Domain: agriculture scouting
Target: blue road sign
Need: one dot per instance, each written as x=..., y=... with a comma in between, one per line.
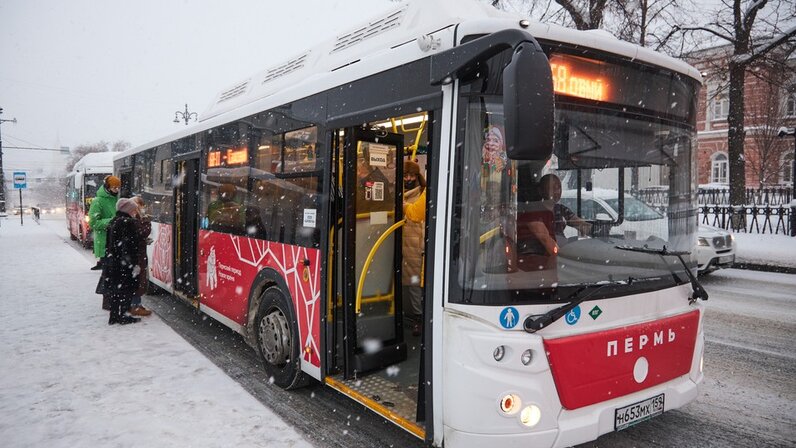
x=20, y=180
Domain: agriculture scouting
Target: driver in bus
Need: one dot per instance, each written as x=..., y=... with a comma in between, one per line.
x=550, y=189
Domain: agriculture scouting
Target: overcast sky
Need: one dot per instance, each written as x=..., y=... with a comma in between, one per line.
x=80, y=71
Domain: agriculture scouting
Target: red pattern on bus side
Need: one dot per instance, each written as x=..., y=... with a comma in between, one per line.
x=228, y=265
x=161, y=264
x=589, y=368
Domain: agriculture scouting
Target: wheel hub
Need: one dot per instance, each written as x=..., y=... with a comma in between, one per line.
x=274, y=338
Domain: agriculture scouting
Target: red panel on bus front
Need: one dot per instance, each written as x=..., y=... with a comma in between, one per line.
x=228, y=265
x=595, y=367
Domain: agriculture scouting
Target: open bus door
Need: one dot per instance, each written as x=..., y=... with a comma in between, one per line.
x=371, y=207
x=186, y=210
x=371, y=355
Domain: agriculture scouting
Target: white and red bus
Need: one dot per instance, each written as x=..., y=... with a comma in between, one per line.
x=82, y=184
x=280, y=215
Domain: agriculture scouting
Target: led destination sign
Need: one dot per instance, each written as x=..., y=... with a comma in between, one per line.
x=646, y=89
x=239, y=156
x=578, y=77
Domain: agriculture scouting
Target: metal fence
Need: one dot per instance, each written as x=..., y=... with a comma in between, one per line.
x=750, y=219
x=771, y=196
x=767, y=209
x=754, y=196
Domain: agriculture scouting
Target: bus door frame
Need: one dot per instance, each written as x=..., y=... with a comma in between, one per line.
x=185, y=233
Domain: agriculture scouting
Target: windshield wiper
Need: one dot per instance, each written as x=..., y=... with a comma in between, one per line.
x=535, y=323
x=698, y=291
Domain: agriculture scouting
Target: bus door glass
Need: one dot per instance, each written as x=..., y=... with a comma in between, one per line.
x=185, y=226
x=371, y=207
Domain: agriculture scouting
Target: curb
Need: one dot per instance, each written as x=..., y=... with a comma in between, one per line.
x=764, y=267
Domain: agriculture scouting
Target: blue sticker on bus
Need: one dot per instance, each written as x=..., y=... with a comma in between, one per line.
x=509, y=317
x=573, y=316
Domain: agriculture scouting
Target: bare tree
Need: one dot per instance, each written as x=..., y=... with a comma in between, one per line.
x=752, y=30
x=648, y=23
x=586, y=14
x=88, y=148
x=766, y=114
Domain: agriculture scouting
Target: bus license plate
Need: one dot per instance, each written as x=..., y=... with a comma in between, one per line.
x=727, y=259
x=638, y=412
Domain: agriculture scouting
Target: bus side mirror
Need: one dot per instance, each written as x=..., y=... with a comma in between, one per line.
x=528, y=104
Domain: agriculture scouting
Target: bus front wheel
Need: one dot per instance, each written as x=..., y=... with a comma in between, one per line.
x=277, y=340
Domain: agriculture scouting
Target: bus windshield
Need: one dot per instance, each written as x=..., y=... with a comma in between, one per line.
x=530, y=231
x=92, y=182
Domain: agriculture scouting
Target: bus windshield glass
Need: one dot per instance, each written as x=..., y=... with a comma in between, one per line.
x=531, y=231
x=93, y=182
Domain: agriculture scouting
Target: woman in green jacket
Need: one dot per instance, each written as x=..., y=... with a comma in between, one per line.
x=101, y=212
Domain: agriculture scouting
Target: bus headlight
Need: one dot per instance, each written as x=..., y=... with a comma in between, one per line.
x=530, y=415
x=702, y=241
x=510, y=404
x=526, y=357
x=499, y=352
x=86, y=218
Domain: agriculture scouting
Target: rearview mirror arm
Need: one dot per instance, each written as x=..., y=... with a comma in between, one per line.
x=449, y=64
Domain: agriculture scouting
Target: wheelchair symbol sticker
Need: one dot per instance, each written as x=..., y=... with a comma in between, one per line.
x=573, y=316
x=509, y=317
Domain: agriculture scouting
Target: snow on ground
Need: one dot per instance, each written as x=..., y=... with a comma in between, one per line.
x=767, y=249
x=68, y=379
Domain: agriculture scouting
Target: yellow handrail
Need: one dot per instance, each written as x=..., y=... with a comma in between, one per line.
x=369, y=260
x=489, y=234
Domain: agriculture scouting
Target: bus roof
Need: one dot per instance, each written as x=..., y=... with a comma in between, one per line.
x=95, y=162
x=381, y=43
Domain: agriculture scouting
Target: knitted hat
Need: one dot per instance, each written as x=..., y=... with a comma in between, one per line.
x=126, y=205
x=411, y=168
x=112, y=182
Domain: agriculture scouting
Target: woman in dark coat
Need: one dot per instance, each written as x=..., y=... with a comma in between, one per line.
x=121, y=268
x=144, y=226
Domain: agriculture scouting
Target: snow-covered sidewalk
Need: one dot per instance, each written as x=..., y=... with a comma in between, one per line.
x=766, y=250
x=68, y=379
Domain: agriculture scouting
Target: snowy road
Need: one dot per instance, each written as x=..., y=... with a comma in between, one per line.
x=747, y=399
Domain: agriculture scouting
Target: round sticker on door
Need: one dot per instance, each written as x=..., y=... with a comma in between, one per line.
x=573, y=316
x=509, y=317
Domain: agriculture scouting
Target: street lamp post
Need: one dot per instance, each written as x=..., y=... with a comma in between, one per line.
x=184, y=116
x=784, y=132
x=2, y=176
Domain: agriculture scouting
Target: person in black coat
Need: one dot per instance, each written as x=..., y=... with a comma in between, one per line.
x=121, y=266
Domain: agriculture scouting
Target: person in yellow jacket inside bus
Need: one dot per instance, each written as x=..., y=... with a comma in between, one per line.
x=412, y=244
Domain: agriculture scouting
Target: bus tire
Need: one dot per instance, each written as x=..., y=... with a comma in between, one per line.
x=277, y=340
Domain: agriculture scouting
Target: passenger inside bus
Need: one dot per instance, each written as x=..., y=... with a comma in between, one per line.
x=412, y=246
x=225, y=213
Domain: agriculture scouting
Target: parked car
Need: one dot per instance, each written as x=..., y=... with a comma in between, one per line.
x=715, y=249
x=639, y=219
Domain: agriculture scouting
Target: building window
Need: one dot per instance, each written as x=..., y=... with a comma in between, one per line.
x=787, y=169
x=720, y=106
x=790, y=104
x=719, y=168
